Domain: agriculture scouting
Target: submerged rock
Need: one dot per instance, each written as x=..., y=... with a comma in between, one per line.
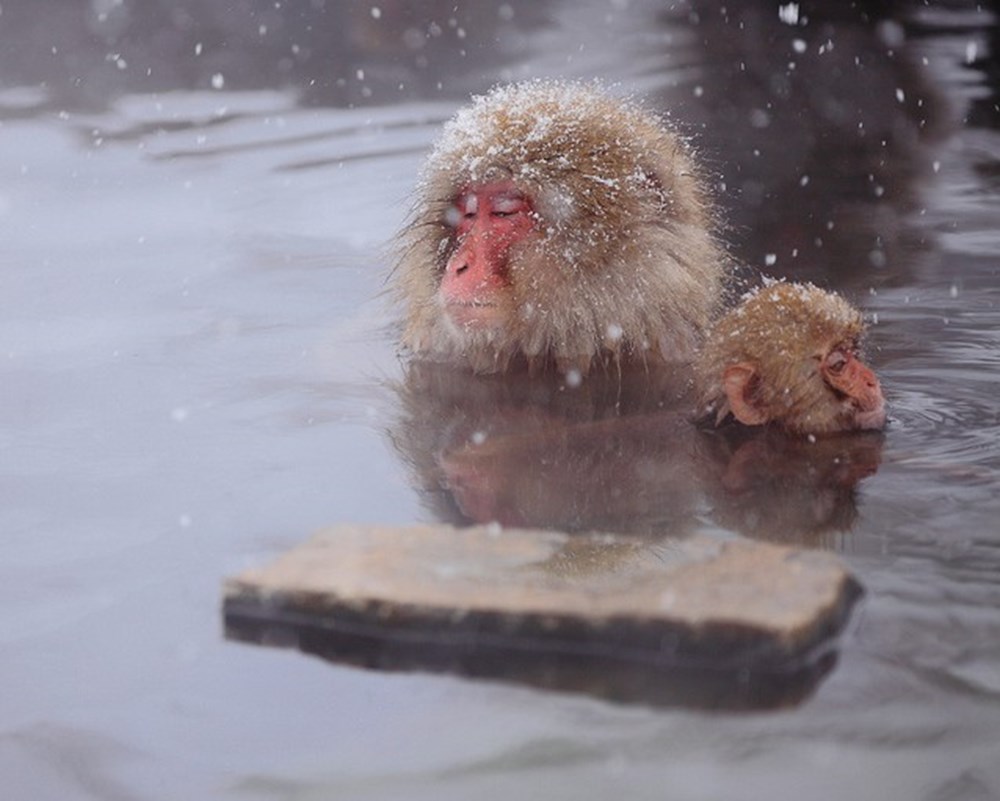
x=699, y=620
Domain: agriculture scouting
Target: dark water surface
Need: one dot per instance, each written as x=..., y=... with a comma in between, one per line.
x=198, y=370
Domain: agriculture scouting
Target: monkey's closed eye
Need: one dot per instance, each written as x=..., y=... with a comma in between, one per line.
x=837, y=361
x=507, y=205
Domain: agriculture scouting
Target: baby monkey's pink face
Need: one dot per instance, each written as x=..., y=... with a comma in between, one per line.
x=855, y=388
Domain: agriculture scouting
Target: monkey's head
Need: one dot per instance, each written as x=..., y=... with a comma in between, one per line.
x=788, y=355
x=555, y=225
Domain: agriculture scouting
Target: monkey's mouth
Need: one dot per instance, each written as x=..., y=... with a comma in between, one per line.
x=871, y=419
x=474, y=313
x=868, y=415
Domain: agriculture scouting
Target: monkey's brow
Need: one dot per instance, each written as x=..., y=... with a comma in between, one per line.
x=851, y=344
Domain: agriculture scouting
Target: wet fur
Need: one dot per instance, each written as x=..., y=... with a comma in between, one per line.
x=622, y=264
x=783, y=330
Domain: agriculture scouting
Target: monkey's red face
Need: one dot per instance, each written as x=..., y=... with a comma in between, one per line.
x=488, y=220
x=854, y=383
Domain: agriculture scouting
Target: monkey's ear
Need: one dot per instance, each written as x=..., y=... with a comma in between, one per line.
x=739, y=381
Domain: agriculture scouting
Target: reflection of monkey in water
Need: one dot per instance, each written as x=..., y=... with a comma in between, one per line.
x=609, y=456
x=531, y=451
x=771, y=486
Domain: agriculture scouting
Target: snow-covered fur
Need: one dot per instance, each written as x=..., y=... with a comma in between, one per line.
x=783, y=331
x=622, y=262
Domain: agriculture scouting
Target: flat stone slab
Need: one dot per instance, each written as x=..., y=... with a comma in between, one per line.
x=539, y=605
